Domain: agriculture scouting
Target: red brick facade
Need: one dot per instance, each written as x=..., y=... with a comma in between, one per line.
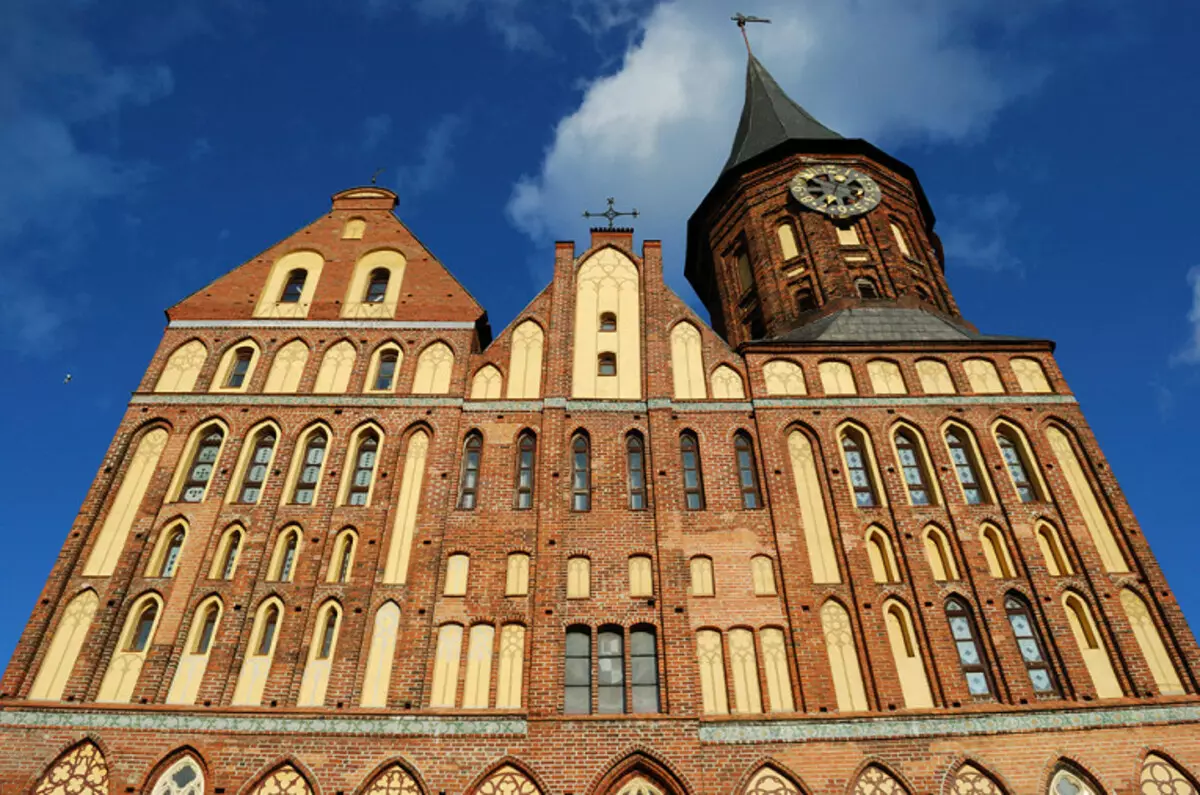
x=1015, y=735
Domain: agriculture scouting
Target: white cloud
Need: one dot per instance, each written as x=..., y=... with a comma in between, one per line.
x=656, y=132
x=1190, y=354
x=433, y=164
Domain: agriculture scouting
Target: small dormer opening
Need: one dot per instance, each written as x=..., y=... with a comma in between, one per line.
x=866, y=289
x=608, y=321
x=805, y=300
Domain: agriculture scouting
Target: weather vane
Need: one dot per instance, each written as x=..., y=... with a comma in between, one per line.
x=610, y=213
x=375, y=176
x=741, y=20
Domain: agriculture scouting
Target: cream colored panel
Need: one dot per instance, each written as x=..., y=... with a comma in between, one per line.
x=508, y=781
x=80, y=771
x=885, y=378
x=456, y=575
x=702, y=576
x=843, y=658
x=907, y=655
x=315, y=680
x=1085, y=498
x=355, y=304
x=579, y=578
x=784, y=378
x=970, y=780
x=63, y=652
x=641, y=579
x=1161, y=777
x=381, y=656
x=1091, y=647
x=111, y=541
x=607, y=282
x=252, y=680
x=334, y=376
x=354, y=229
x=847, y=236
x=512, y=667
x=1057, y=562
x=182, y=368
x=287, y=369
x=525, y=363
x=479, y=667
x=486, y=383
x=516, y=580
x=762, y=573
x=687, y=362
x=883, y=560
x=983, y=376
x=1151, y=643
x=837, y=378
x=727, y=384
x=639, y=786
x=901, y=241
x=937, y=552
x=404, y=526
x=445, y=666
x=192, y=664
x=768, y=781
x=126, y=666
x=996, y=551
x=712, y=672
x=1030, y=374
x=287, y=780
x=935, y=377
x=743, y=662
x=787, y=241
x=817, y=535
x=775, y=666
x=434, y=368
x=269, y=304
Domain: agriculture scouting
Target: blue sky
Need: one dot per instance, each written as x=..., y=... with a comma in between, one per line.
x=147, y=148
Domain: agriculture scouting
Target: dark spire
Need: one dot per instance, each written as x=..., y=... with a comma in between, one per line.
x=769, y=118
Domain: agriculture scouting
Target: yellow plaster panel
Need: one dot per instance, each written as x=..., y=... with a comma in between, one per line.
x=837, y=378
x=711, y=659
x=1085, y=498
x=843, y=658
x=687, y=362
x=1030, y=374
x=579, y=578
x=336, y=368
x=446, y=664
x=608, y=281
x=252, y=679
x=269, y=304
x=775, y=665
x=784, y=378
x=400, y=545
x=727, y=384
x=885, y=378
x=479, y=666
x=935, y=377
x=641, y=579
x=516, y=580
x=906, y=653
x=126, y=664
x=817, y=535
x=381, y=656
x=983, y=376
x=787, y=241
x=525, y=363
x=63, y=652
x=1091, y=647
x=512, y=665
x=315, y=680
x=354, y=229
x=747, y=698
x=182, y=368
x=220, y=382
x=1151, y=643
x=702, y=576
x=287, y=369
x=103, y=559
x=189, y=674
x=486, y=383
x=356, y=305
x=435, y=365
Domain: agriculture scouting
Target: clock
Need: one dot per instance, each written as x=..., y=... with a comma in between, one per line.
x=838, y=191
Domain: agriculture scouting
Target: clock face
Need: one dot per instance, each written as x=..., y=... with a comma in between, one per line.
x=839, y=191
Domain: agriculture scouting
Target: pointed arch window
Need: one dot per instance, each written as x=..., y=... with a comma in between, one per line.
x=581, y=473
x=702, y=576
x=310, y=468
x=343, y=558
x=965, y=466
x=516, y=576
x=858, y=468
x=203, y=462
x=377, y=286
x=171, y=552
x=1017, y=462
x=747, y=471
x=1029, y=642
x=693, y=477
x=257, y=467
x=578, y=675
x=293, y=288
x=385, y=372
x=239, y=368
x=227, y=560
x=287, y=548
x=1160, y=775
x=468, y=482
x=364, y=469
x=328, y=633
x=995, y=551
x=881, y=556
x=610, y=671
x=937, y=552
x=1067, y=783
x=143, y=628
x=1057, y=562
x=762, y=575
x=635, y=463
x=912, y=464
x=208, y=628
x=266, y=635
x=970, y=651
x=526, y=465
x=182, y=778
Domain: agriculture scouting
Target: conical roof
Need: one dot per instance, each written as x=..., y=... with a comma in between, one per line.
x=770, y=118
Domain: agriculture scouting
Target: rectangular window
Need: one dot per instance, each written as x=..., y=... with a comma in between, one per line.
x=610, y=673
x=643, y=659
x=578, y=672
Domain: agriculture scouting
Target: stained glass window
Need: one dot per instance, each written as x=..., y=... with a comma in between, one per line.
x=1017, y=469
x=1020, y=618
x=610, y=670
x=385, y=376
x=965, y=467
x=970, y=653
x=856, y=466
x=203, y=461
x=310, y=469
x=914, y=471
x=364, y=468
x=257, y=466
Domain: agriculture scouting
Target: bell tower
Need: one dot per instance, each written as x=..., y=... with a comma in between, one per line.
x=804, y=225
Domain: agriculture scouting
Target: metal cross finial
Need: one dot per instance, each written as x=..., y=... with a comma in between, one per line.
x=741, y=20
x=610, y=213
x=375, y=176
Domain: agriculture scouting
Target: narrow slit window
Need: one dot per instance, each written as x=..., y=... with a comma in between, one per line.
x=345, y=557
x=526, y=461
x=693, y=479
x=239, y=368
x=1018, y=468
x=970, y=652
x=965, y=467
x=310, y=469
x=856, y=467
x=328, y=634
x=606, y=364
x=578, y=675
x=635, y=461
x=203, y=462
x=208, y=628
x=288, y=560
x=139, y=639
x=385, y=376
x=293, y=289
x=364, y=469
x=747, y=472
x=170, y=560
x=915, y=477
x=581, y=474
x=266, y=636
x=468, y=484
x=1020, y=618
x=377, y=286
x=257, y=467
x=229, y=562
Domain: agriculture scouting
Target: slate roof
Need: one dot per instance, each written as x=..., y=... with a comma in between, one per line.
x=883, y=324
x=769, y=118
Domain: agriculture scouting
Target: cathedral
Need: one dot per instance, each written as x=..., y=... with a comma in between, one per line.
x=835, y=541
